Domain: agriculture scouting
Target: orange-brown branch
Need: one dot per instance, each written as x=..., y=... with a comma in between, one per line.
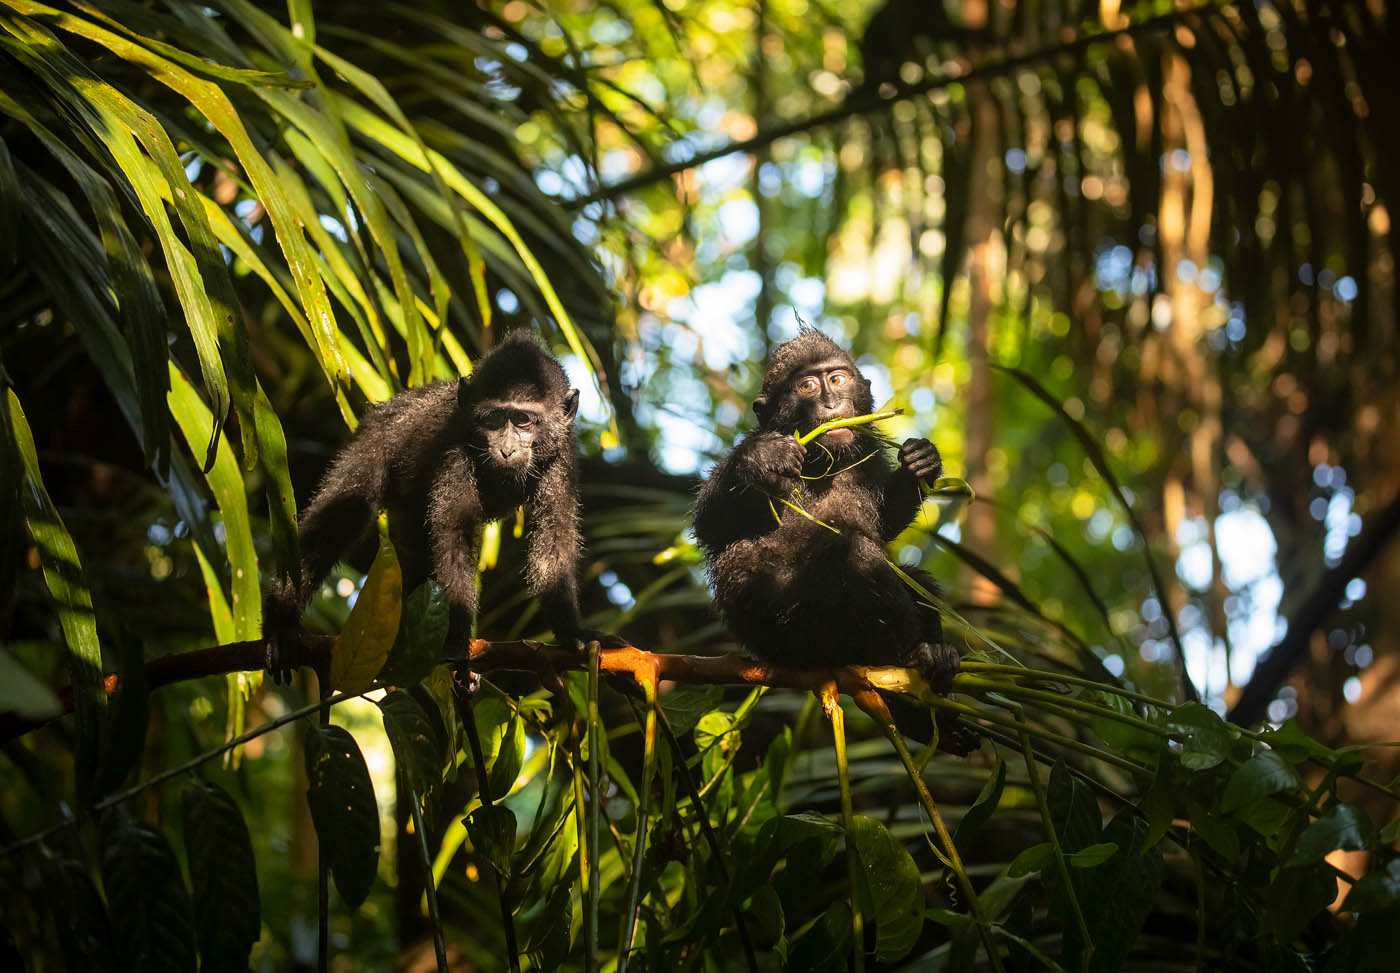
x=484, y=656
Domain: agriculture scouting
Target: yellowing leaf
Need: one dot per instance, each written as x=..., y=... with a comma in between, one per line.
x=370, y=630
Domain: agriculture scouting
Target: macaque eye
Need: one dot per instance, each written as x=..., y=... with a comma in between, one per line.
x=809, y=386
x=838, y=379
x=522, y=419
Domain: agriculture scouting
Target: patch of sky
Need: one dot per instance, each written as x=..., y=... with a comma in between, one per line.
x=1113, y=269
x=726, y=172
x=193, y=166
x=1249, y=569
x=720, y=311
x=810, y=177
x=1114, y=664
x=1345, y=289
x=738, y=220
x=517, y=51
x=881, y=389
x=923, y=401
x=590, y=403
x=1016, y=159
x=770, y=179
x=507, y=301
x=609, y=29
x=549, y=182
x=951, y=530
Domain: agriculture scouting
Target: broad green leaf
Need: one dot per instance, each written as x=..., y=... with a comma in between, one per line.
x=492, y=831
x=766, y=910
x=1073, y=809
x=68, y=587
x=1263, y=774
x=1296, y=895
x=1377, y=891
x=982, y=808
x=1292, y=743
x=716, y=731
x=80, y=916
x=149, y=904
x=226, y=482
x=502, y=741
x=417, y=750
x=373, y=624
x=895, y=893
x=684, y=705
x=1119, y=895
x=422, y=629
x=224, y=876
x=1093, y=855
x=1033, y=859
x=342, y=806
x=22, y=693
x=1215, y=829
x=1206, y=738
x=1341, y=826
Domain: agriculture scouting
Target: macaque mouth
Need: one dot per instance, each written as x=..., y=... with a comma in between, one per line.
x=838, y=437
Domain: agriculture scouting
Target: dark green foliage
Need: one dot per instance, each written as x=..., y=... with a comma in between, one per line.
x=342, y=805
x=152, y=919
x=418, y=645
x=223, y=876
x=417, y=749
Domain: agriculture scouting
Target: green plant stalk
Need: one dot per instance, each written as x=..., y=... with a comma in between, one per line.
x=826, y=427
x=634, y=893
x=595, y=797
x=1069, y=743
x=1065, y=702
x=703, y=818
x=323, y=872
x=838, y=733
x=1040, y=675
x=585, y=850
x=1061, y=866
x=483, y=783
x=430, y=889
x=951, y=856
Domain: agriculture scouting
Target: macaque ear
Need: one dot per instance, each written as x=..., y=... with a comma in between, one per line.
x=463, y=392
x=761, y=409
x=571, y=404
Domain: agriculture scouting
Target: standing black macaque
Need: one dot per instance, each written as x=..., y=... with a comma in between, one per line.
x=792, y=590
x=444, y=458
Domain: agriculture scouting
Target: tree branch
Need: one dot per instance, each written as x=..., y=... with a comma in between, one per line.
x=1274, y=668
x=483, y=656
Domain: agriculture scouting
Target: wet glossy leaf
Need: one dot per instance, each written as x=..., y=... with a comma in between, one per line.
x=492, y=831
x=1263, y=774
x=369, y=632
x=342, y=806
x=223, y=875
x=1340, y=826
x=1206, y=738
x=895, y=893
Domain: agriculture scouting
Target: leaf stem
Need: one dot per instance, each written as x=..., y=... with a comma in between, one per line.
x=826, y=427
x=831, y=704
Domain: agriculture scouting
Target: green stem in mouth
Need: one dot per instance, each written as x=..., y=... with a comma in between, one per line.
x=826, y=427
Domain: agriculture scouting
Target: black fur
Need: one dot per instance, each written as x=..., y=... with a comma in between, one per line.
x=791, y=590
x=444, y=458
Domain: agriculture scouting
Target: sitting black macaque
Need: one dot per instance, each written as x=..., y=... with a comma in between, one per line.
x=444, y=458
x=793, y=590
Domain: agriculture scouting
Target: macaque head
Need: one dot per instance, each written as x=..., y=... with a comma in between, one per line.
x=519, y=407
x=811, y=380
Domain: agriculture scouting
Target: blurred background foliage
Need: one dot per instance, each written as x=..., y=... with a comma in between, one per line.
x=1130, y=265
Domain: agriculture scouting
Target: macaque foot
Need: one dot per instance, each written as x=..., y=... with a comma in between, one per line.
x=938, y=663
x=283, y=654
x=956, y=735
